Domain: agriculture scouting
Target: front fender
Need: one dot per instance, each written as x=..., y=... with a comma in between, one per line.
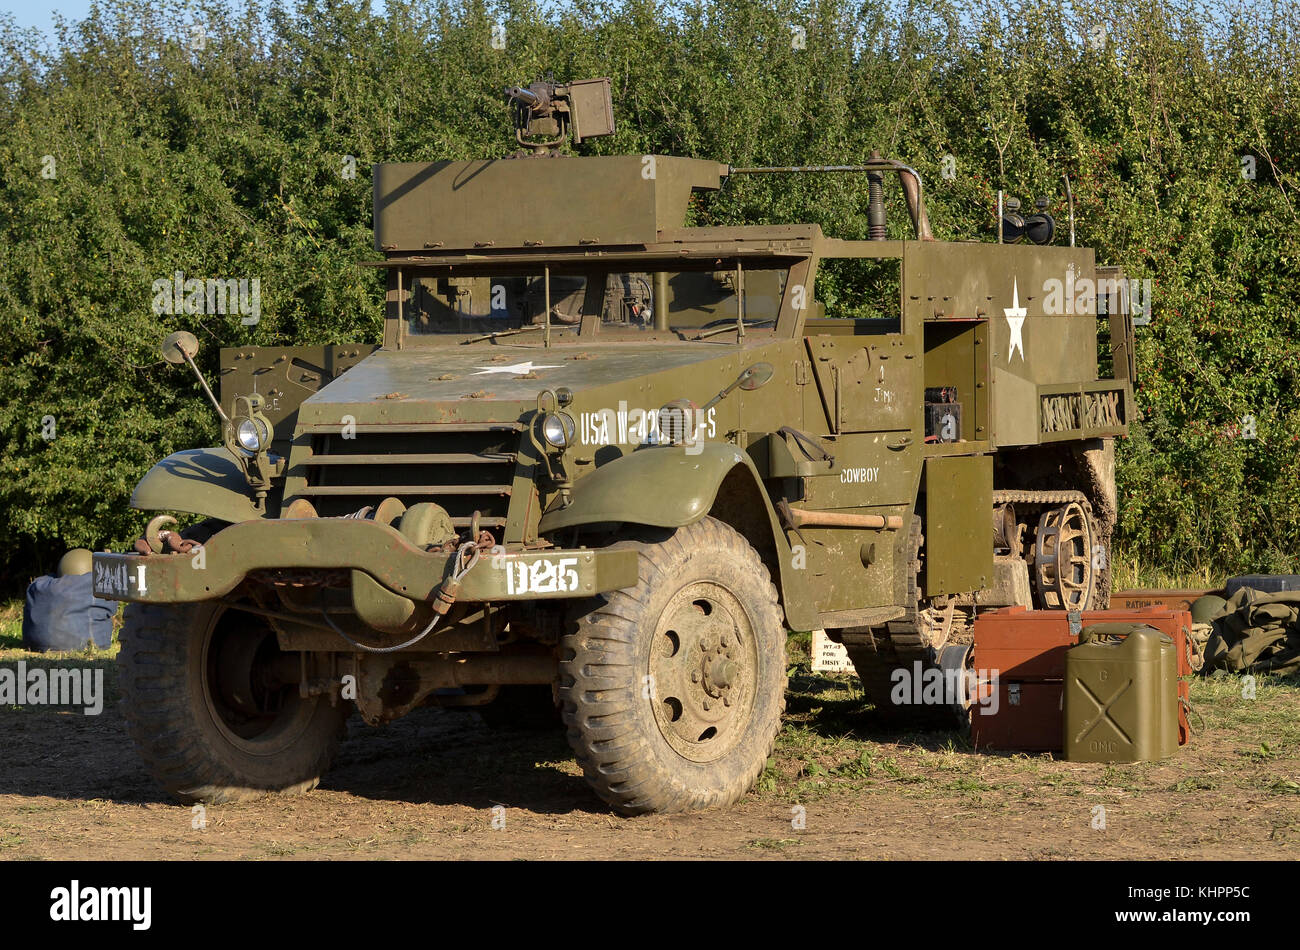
x=206, y=482
x=662, y=486
x=673, y=486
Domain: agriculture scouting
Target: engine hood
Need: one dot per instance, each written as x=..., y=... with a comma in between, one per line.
x=482, y=383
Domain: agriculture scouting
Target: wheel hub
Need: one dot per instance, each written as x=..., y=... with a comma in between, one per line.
x=244, y=677
x=718, y=676
x=703, y=667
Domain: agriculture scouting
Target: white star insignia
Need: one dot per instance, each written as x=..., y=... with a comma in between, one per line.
x=518, y=369
x=1015, y=315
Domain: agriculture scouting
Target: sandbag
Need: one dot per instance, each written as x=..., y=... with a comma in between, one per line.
x=63, y=613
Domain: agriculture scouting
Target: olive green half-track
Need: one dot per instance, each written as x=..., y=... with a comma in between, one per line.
x=608, y=452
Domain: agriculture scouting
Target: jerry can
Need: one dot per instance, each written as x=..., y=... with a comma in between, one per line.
x=1121, y=695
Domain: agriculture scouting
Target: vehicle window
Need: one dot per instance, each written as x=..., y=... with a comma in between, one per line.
x=459, y=305
x=701, y=299
x=861, y=288
x=696, y=300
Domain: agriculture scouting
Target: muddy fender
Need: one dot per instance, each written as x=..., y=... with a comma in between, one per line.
x=676, y=486
x=206, y=482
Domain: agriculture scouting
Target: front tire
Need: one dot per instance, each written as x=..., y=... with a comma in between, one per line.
x=212, y=707
x=673, y=689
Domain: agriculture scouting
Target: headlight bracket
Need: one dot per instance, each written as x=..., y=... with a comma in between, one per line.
x=248, y=435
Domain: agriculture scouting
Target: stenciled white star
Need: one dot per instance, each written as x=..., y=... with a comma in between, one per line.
x=518, y=369
x=1015, y=315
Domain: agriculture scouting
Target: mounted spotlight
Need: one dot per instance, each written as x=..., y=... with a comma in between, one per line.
x=1040, y=228
x=1013, y=222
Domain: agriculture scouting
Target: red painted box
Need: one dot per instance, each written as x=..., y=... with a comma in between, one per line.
x=1025, y=650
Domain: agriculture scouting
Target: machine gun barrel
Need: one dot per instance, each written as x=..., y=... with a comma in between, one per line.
x=524, y=96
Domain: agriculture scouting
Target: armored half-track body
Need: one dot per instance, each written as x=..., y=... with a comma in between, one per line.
x=603, y=462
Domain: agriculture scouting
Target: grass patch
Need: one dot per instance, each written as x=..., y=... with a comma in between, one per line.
x=11, y=638
x=833, y=742
x=1128, y=574
x=11, y=625
x=1259, y=715
x=12, y=652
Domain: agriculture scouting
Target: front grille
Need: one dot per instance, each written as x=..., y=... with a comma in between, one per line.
x=465, y=467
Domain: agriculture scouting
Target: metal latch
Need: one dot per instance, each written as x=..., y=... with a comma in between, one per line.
x=1076, y=622
x=1013, y=694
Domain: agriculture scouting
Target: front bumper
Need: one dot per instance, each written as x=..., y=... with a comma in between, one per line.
x=231, y=555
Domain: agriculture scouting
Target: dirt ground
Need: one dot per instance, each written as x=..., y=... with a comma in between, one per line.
x=71, y=786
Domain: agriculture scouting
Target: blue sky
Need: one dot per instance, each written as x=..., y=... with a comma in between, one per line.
x=38, y=14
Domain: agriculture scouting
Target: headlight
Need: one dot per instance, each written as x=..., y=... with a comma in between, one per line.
x=557, y=429
x=677, y=422
x=251, y=435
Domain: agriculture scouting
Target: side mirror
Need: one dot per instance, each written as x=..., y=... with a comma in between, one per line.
x=754, y=376
x=180, y=347
x=760, y=374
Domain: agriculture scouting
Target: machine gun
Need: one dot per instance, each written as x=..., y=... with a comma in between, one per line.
x=583, y=109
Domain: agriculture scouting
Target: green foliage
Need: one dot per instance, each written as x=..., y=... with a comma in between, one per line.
x=228, y=162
